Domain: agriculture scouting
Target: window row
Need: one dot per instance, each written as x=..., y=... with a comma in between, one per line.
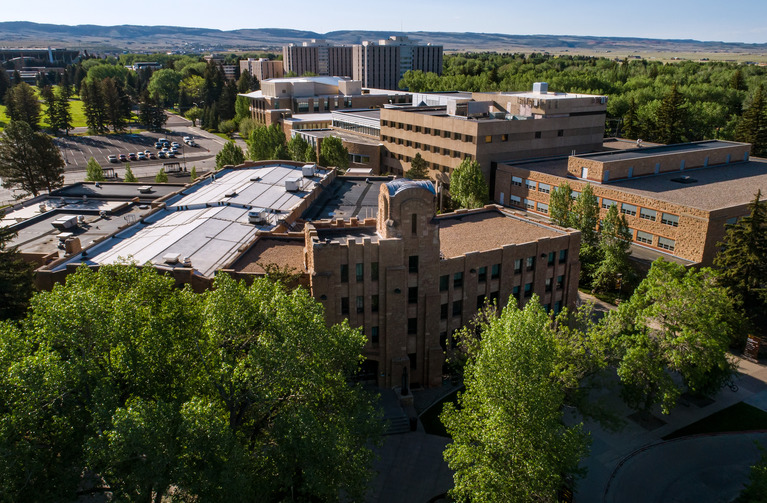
x=649, y=239
x=454, y=135
x=360, y=304
x=359, y=272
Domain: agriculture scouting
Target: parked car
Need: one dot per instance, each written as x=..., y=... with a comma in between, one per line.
x=112, y=158
x=161, y=154
x=175, y=145
x=141, y=156
x=123, y=157
x=170, y=153
x=151, y=155
x=187, y=139
x=192, y=143
x=157, y=145
x=132, y=156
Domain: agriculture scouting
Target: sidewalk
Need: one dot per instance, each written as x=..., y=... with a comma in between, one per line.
x=611, y=452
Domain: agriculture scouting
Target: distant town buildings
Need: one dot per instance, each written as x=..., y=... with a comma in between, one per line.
x=378, y=65
x=262, y=68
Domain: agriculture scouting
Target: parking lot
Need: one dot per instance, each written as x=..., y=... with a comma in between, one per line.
x=76, y=150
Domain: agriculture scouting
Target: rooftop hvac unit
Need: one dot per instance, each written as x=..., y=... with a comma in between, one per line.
x=171, y=258
x=292, y=184
x=540, y=87
x=308, y=170
x=258, y=216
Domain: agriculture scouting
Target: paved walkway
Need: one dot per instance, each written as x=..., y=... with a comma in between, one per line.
x=614, y=462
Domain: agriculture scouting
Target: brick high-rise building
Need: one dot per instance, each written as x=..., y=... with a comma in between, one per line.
x=382, y=65
x=318, y=57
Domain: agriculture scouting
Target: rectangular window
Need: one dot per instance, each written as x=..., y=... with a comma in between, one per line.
x=561, y=132
x=412, y=326
x=666, y=244
x=413, y=264
x=543, y=208
x=544, y=187
x=537, y=134
x=530, y=184
x=515, y=292
x=457, y=307
x=628, y=209
x=412, y=295
x=495, y=271
x=549, y=285
x=606, y=203
x=560, y=282
x=515, y=180
x=517, y=266
x=443, y=282
x=374, y=335
x=480, y=301
x=374, y=303
x=458, y=280
x=562, y=256
x=530, y=263
x=482, y=276
x=669, y=219
x=456, y=136
x=360, y=304
x=344, y=273
x=648, y=214
x=414, y=223
x=528, y=290
x=530, y=205
x=515, y=200
x=374, y=271
x=644, y=237
x=557, y=307
x=360, y=272
x=489, y=139
x=443, y=312
x=504, y=137
x=344, y=305
x=551, y=258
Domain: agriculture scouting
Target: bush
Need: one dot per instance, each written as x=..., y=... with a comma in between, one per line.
x=161, y=177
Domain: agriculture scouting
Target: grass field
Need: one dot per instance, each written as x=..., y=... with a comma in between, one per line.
x=75, y=108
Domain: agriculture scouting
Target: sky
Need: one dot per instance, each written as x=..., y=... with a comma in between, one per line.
x=707, y=20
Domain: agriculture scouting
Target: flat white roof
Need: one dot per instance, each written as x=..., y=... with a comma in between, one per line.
x=208, y=222
x=552, y=95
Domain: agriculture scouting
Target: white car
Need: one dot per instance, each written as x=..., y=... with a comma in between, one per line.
x=187, y=139
x=141, y=156
x=112, y=158
x=175, y=145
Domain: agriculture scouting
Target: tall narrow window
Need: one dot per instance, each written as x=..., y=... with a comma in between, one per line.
x=360, y=272
x=344, y=273
x=413, y=263
x=374, y=271
x=414, y=223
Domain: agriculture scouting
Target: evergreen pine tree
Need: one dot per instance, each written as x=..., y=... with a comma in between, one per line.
x=16, y=278
x=418, y=169
x=193, y=174
x=161, y=176
x=752, y=127
x=671, y=117
x=631, y=127
x=743, y=264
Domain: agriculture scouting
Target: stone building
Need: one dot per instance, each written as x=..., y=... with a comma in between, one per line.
x=676, y=198
x=262, y=68
x=411, y=278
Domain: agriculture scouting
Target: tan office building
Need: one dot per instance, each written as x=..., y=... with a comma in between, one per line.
x=491, y=127
x=676, y=198
x=382, y=65
x=318, y=57
x=262, y=68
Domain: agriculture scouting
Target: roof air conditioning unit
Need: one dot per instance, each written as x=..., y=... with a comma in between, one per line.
x=308, y=170
x=258, y=216
x=292, y=184
x=171, y=258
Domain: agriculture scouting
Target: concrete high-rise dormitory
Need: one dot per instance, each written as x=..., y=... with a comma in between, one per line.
x=379, y=65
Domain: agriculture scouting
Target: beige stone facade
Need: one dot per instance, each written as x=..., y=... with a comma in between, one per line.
x=681, y=213
x=489, y=128
x=411, y=278
x=262, y=68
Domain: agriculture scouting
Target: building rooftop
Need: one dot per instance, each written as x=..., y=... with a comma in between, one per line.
x=281, y=251
x=461, y=233
x=209, y=222
x=347, y=136
x=347, y=197
x=343, y=235
x=318, y=117
x=644, y=152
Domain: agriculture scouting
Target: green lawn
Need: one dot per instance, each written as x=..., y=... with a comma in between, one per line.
x=75, y=108
x=739, y=417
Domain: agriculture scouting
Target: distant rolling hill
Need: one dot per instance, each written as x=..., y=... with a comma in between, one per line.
x=175, y=38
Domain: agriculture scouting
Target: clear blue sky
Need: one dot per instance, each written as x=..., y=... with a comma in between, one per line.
x=709, y=20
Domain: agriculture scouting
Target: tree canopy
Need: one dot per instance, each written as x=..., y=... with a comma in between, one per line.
x=333, y=153
x=468, y=186
x=418, y=169
x=264, y=141
x=677, y=320
x=22, y=105
x=120, y=380
x=230, y=155
x=93, y=171
x=29, y=160
x=509, y=441
x=16, y=278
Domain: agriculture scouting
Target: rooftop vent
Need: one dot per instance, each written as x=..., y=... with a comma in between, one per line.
x=541, y=87
x=171, y=258
x=684, y=179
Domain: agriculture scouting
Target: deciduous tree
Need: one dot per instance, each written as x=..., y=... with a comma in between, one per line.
x=677, y=321
x=333, y=153
x=614, y=244
x=93, y=171
x=297, y=148
x=16, y=278
x=509, y=441
x=561, y=205
x=230, y=155
x=468, y=186
x=264, y=141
